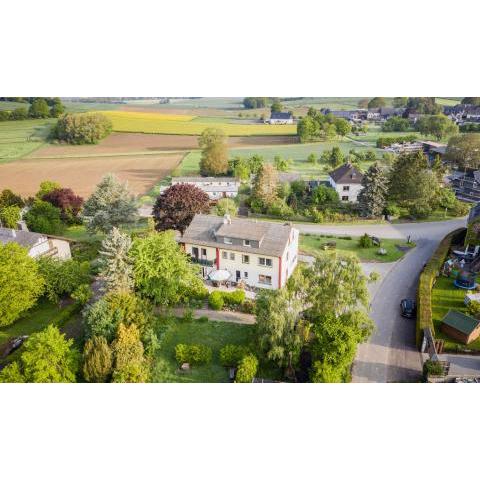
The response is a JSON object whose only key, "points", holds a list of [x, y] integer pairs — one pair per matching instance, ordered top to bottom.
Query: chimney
{"points": [[227, 220]]}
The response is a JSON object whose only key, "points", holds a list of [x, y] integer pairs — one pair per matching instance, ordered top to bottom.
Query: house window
{"points": [[346, 188], [345, 198], [227, 240], [246, 243], [204, 252], [224, 255], [232, 256], [245, 259], [264, 262], [245, 274], [265, 279]]}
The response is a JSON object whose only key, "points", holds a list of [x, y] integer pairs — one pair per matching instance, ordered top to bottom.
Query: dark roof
{"points": [[281, 115], [346, 173], [203, 230], [22, 237], [461, 322]]}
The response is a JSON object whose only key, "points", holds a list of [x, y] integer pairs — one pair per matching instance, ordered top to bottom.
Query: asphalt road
{"points": [[391, 354]]}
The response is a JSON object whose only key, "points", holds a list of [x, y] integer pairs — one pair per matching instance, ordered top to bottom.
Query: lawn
{"points": [[145, 122], [18, 138], [311, 245], [446, 296], [213, 334]]}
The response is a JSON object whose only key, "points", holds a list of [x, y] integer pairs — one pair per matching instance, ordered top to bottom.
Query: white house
{"points": [[280, 118], [347, 181], [215, 187], [37, 244], [260, 254]]}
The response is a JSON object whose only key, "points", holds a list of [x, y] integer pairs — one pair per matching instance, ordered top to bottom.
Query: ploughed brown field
{"points": [[118, 143], [82, 174]]}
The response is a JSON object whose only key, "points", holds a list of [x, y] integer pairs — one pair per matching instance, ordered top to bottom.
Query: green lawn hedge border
{"points": [[426, 281]]}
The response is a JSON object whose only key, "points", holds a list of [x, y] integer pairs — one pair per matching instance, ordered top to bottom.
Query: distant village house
{"points": [[280, 118], [215, 187]]}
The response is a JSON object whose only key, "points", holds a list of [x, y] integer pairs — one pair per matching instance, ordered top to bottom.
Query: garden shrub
{"points": [[365, 241], [233, 298], [215, 300], [248, 306], [473, 309], [194, 354], [231, 355], [430, 367], [247, 369]]}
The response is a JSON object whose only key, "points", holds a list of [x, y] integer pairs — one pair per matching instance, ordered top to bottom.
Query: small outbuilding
{"points": [[460, 327]]}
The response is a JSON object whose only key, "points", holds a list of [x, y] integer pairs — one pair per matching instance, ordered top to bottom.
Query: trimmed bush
{"points": [[365, 241], [425, 285], [234, 298], [215, 300], [194, 354], [231, 355], [431, 367], [247, 369]]}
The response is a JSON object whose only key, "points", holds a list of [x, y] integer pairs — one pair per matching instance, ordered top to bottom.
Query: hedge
{"points": [[425, 285], [217, 299], [231, 355]]}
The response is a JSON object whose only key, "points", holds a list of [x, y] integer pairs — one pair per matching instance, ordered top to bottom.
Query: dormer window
{"points": [[227, 240], [246, 243]]}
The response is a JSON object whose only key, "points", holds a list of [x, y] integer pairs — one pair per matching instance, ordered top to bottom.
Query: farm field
{"points": [[142, 122], [21, 137], [137, 143], [82, 174]]}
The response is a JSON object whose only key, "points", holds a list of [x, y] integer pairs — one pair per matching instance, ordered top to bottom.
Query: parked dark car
{"points": [[408, 308], [12, 345]]}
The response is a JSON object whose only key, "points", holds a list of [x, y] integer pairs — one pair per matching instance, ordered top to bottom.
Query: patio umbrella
{"points": [[219, 275]]}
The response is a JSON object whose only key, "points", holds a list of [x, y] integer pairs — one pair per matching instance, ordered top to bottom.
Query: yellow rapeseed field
{"points": [[142, 122]]}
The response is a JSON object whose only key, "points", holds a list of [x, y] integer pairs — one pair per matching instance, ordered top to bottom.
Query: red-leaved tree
{"points": [[69, 204], [177, 205]]}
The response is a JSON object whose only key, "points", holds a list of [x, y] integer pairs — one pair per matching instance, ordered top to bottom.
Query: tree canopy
{"points": [[437, 125], [82, 128], [213, 143], [463, 151], [373, 197], [110, 205], [177, 205], [43, 217], [162, 271], [20, 282], [47, 357]]}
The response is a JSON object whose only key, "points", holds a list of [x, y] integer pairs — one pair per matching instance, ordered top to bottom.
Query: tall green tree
{"points": [[377, 102], [39, 109], [342, 126], [439, 126], [82, 128], [213, 143], [463, 151], [413, 185], [46, 187], [264, 189], [373, 197], [8, 199], [110, 205], [9, 216], [43, 217], [116, 264], [162, 270], [20, 282], [279, 325], [47, 358], [97, 360], [130, 365]]}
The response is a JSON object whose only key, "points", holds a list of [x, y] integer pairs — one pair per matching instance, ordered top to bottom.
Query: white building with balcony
{"points": [[259, 254]]}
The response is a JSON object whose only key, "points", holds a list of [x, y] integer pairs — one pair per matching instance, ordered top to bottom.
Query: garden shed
{"points": [[460, 327]]}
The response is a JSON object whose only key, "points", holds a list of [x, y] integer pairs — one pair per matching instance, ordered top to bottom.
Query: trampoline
{"points": [[465, 280]]}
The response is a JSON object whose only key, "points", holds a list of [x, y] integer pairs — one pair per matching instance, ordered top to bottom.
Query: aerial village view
{"points": [[242, 240]]}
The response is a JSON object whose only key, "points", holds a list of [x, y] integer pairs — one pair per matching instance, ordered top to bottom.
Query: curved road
{"points": [[391, 354]]}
